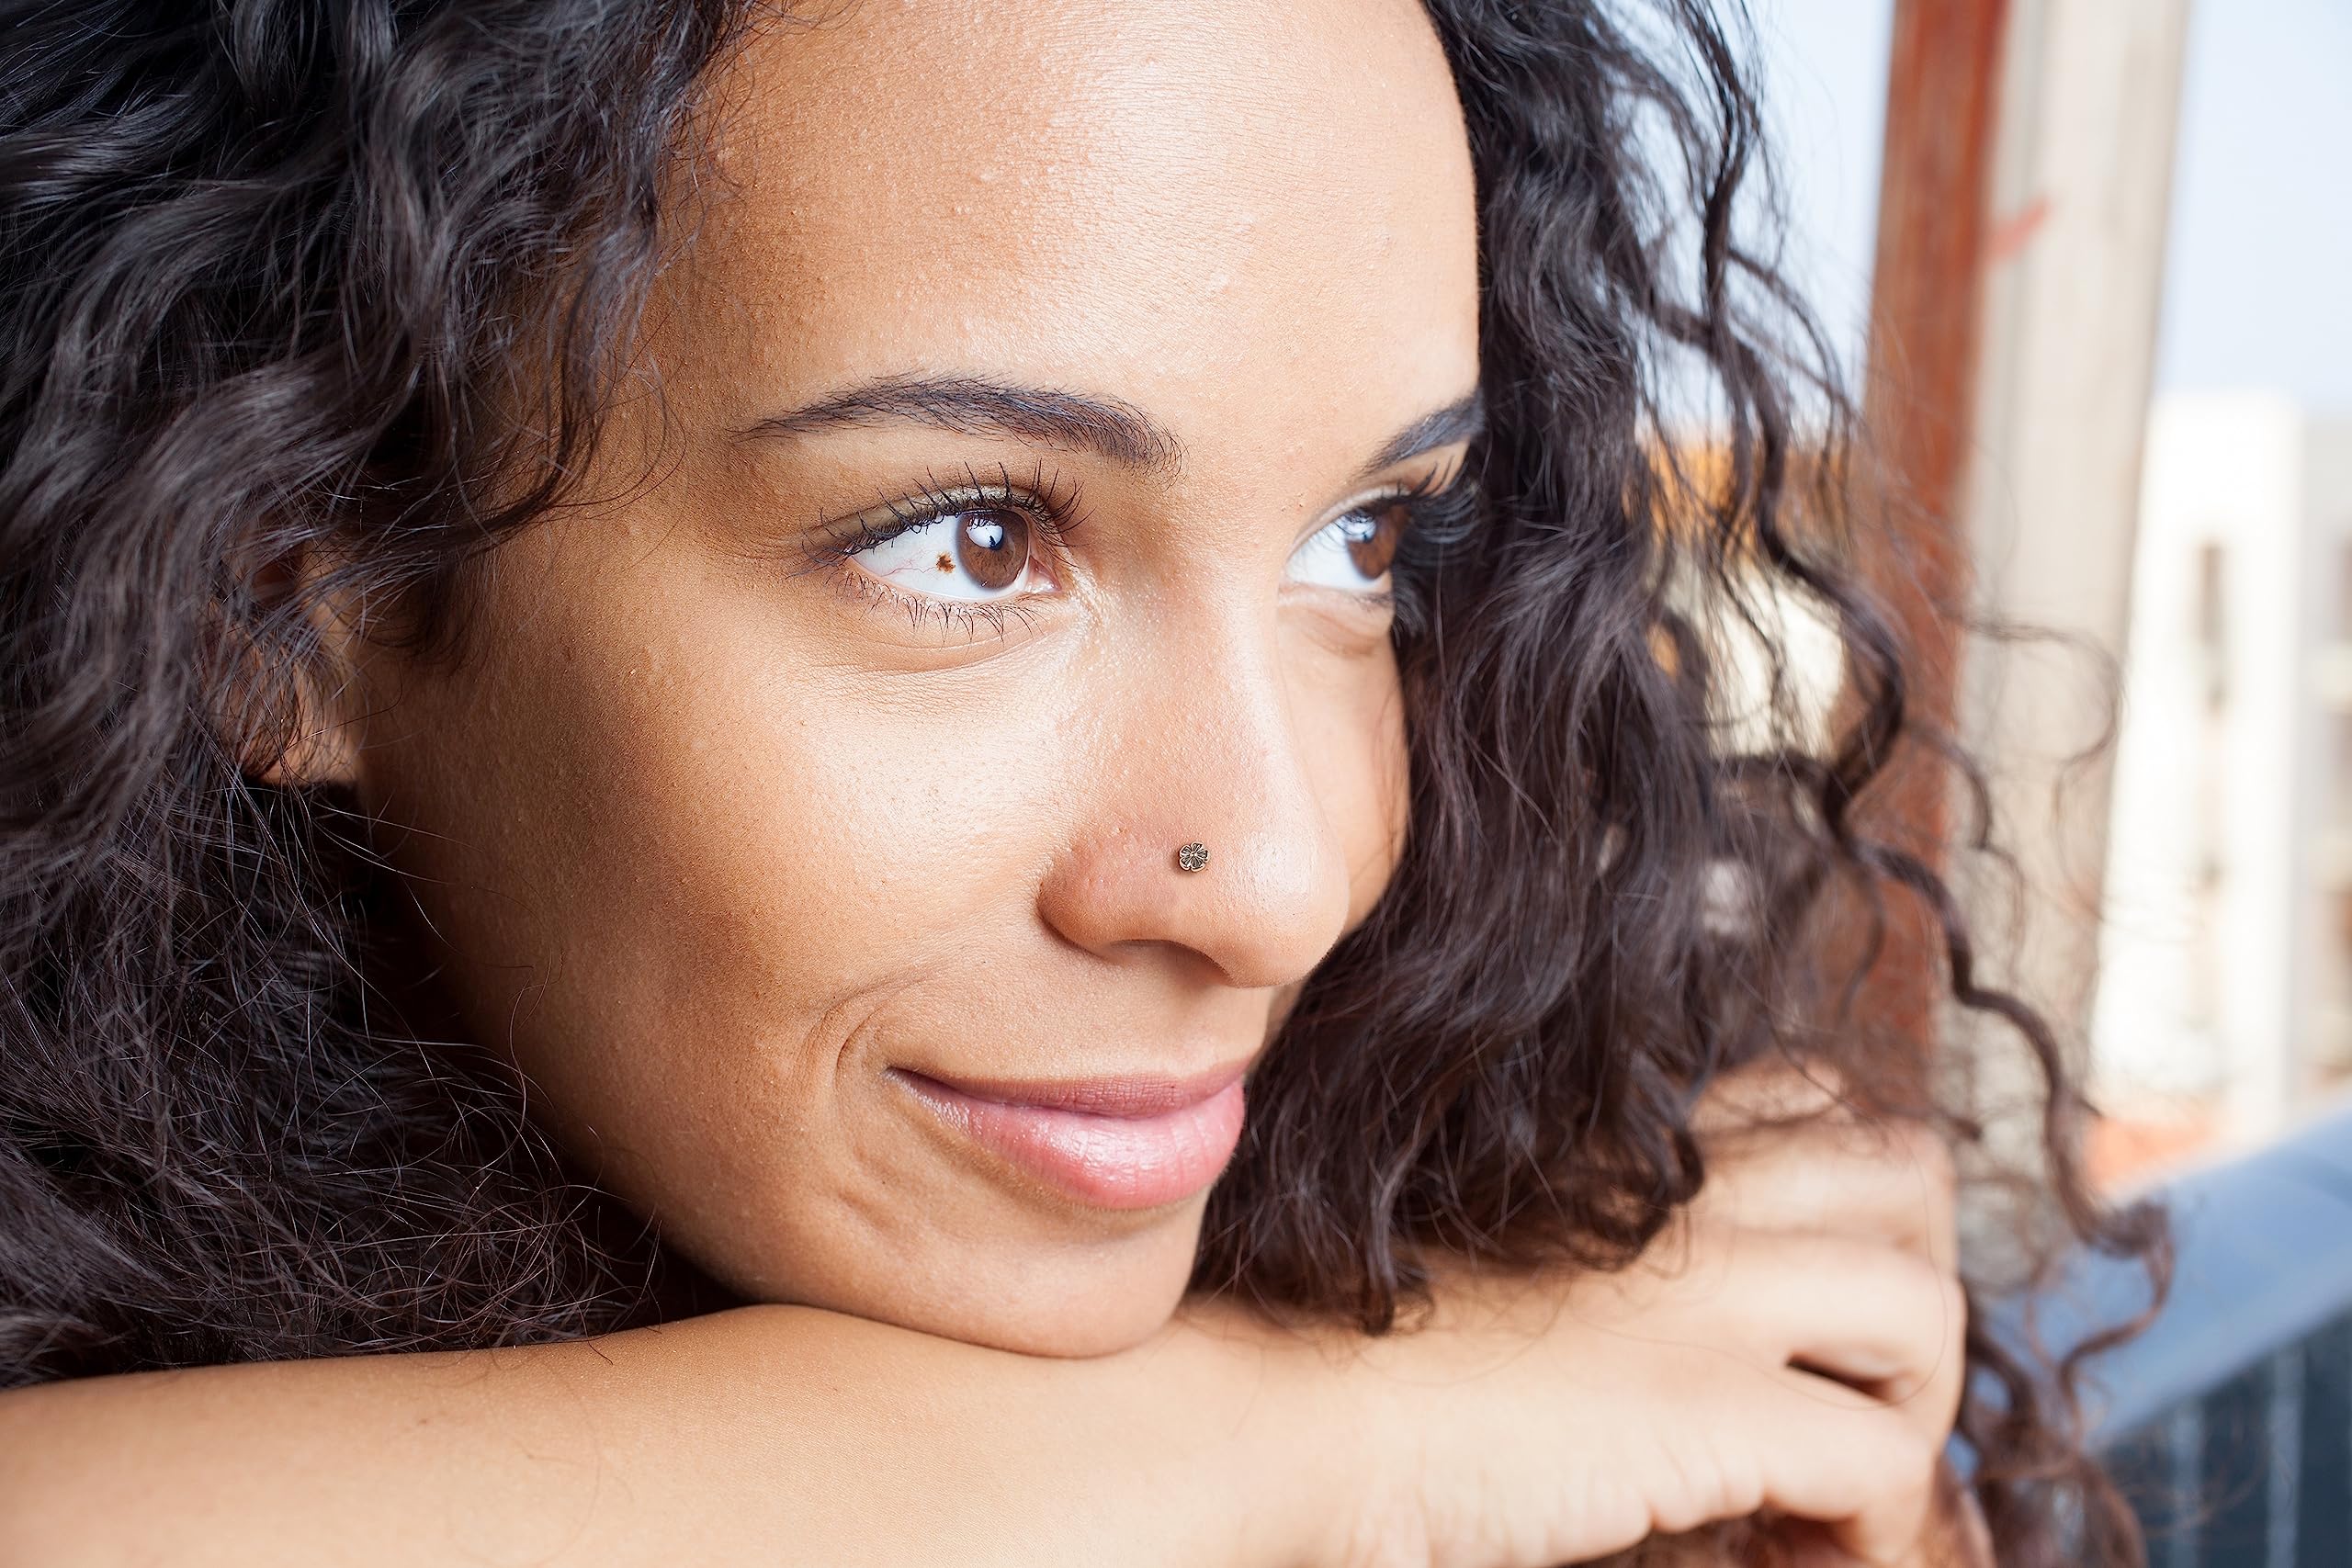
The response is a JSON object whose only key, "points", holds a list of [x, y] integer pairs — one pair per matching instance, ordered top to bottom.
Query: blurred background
{"points": [[2211, 219], [2090, 260]]}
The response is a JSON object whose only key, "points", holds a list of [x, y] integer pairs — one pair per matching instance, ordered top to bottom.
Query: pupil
{"points": [[994, 547]]}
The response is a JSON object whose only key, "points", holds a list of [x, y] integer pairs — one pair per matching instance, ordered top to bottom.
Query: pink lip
{"points": [[1130, 1142]]}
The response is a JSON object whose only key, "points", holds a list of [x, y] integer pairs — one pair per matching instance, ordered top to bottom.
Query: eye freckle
{"points": [[952, 552]]}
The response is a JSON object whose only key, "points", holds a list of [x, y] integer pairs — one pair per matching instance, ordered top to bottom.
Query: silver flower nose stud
{"points": [[1191, 857]]}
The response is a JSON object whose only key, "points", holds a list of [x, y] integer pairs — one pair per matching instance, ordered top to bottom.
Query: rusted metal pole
{"points": [[1927, 304]]}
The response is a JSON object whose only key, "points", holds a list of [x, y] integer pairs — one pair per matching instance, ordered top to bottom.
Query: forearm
{"points": [[775, 1435]]}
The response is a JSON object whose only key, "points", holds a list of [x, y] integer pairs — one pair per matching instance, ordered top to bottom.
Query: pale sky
{"points": [[2259, 263]]}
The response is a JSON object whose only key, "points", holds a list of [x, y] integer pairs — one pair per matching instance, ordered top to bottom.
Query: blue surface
{"points": [[2265, 1259]]}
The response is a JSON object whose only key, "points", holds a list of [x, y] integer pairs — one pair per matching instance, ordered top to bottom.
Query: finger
{"points": [[1768, 1093], [1892, 1180], [1875, 1318], [1853, 1467], [1893, 1532], [1965, 1534], [1953, 1536], [1808, 1545], [1814, 1550]]}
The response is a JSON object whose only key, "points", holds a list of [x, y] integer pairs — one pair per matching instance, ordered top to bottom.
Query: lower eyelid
{"points": [[877, 595], [880, 597]]}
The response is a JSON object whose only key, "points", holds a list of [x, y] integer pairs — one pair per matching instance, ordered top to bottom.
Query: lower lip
{"points": [[1103, 1161]]}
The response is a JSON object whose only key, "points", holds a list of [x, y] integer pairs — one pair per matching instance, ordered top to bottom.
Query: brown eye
{"points": [[1371, 535], [992, 546], [976, 551], [1352, 552]]}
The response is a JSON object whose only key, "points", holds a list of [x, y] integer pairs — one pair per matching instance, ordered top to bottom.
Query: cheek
{"points": [[1351, 738], [675, 856]]}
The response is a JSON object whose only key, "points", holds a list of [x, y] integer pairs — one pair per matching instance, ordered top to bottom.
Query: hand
{"points": [[1791, 1346]]}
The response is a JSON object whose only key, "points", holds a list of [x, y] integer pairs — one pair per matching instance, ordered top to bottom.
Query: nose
{"points": [[1203, 749]]}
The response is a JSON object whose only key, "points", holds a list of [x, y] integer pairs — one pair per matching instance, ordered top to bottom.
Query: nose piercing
{"points": [[1191, 857]]}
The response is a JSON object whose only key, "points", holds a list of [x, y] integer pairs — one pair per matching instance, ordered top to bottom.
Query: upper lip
{"points": [[1134, 1095]]}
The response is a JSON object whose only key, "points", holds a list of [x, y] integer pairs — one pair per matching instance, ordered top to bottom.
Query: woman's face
{"points": [[821, 870]]}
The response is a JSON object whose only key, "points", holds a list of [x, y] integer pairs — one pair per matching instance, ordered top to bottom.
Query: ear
{"points": [[286, 705], [322, 748]]}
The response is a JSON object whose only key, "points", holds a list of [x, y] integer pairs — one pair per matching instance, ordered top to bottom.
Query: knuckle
{"points": [[1809, 1086], [1775, 1091], [1919, 1148], [1914, 1153], [1933, 1156], [1938, 1292], [1929, 1302], [1956, 1314], [1909, 1457]]}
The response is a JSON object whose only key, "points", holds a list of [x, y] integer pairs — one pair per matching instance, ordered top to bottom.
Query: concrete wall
{"points": [[2223, 974]]}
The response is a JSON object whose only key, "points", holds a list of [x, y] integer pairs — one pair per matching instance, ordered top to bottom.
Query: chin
{"points": [[1018, 1285], [1077, 1300], [1102, 1330]]}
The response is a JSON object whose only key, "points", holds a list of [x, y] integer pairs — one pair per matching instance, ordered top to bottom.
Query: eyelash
{"points": [[1052, 507], [1437, 509]]}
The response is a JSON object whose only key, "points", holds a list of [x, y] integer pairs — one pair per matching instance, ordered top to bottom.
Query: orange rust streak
{"points": [[2012, 234]]}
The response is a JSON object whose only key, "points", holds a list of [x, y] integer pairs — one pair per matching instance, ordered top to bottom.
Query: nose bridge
{"points": [[1204, 750]]}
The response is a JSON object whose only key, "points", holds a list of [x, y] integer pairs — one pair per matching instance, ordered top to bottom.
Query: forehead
{"points": [[1154, 198]]}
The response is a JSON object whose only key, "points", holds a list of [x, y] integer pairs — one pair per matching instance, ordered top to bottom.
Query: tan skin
{"points": [[832, 839], [720, 842]]}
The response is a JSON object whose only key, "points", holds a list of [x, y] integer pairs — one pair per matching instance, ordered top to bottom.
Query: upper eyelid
{"points": [[1439, 479], [1432, 486], [1051, 505], [1054, 514]]}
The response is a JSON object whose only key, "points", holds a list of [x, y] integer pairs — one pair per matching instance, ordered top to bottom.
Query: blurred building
{"points": [[2224, 1002]]}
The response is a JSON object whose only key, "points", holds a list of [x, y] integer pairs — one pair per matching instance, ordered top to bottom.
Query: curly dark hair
{"points": [[355, 281]]}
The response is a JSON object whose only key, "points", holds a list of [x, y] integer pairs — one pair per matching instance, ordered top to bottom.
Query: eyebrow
{"points": [[973, 405], [1464, 419]]}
